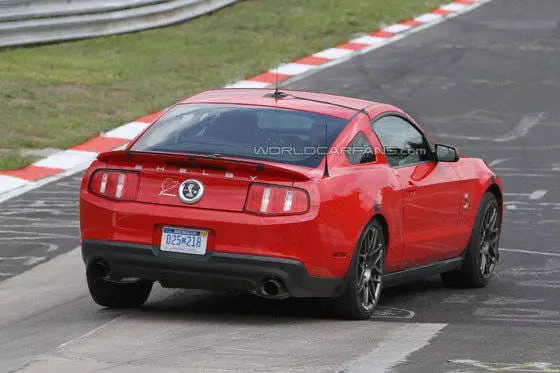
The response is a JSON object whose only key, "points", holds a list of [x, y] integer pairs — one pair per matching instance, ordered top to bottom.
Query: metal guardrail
{"points": [[38, 21]]}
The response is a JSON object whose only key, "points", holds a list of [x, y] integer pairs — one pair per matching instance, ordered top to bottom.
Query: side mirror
{"points": [[446, 153]]}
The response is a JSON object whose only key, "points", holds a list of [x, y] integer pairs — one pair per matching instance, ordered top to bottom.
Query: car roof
{"points": [[320, 103]]}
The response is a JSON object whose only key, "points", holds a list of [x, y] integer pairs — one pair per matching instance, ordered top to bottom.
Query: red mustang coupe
{"points": [[286, 193]]}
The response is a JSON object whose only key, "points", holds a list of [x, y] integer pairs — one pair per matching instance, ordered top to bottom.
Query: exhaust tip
{"points": [[99, 269], [273, 288]]}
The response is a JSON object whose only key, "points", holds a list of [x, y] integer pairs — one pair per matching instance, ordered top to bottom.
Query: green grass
{"points": [[59, 95], [13, 162]]}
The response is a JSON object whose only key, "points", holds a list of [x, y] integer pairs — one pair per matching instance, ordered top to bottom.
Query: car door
{"points": [[431, 192]]}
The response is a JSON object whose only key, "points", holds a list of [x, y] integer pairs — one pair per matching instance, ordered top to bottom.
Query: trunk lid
{"points": [[225, 181]]}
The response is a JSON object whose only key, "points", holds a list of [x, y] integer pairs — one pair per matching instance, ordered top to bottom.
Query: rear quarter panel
{"points": [[349, 200]]}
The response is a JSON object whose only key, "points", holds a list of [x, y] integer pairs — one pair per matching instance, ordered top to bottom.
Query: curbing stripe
{"points": [[453, 7], [428, 17], [411, 22], [396, 28], [383, 34], [369, 40], [353, 46], [333, 53], [315, 61], [292, 69], [269, 77], [248, 84], [128, 131], [100, 144], [78, 157], [66, 160], [33, 172], [8, 183]]}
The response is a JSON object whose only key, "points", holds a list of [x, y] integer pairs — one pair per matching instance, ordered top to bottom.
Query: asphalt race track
{"points": [[486, 81]]}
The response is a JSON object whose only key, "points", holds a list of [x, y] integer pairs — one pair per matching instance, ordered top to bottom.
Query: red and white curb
{"points": [[80, 156], [74, 159]]}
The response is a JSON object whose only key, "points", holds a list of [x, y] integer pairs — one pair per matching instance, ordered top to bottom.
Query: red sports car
{"points": [[286, 193]]}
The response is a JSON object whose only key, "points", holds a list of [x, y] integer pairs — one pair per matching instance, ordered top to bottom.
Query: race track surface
{"points": [[486, 81]]}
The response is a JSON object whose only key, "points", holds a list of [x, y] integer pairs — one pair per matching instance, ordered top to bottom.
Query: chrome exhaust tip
{"points": [[273, 288]]}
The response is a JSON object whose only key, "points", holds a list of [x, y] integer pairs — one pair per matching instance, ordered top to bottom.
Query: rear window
{"points": [[269, 134]]}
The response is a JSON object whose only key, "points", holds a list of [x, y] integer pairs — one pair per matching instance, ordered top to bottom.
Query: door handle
{"points": [[411, 187]]}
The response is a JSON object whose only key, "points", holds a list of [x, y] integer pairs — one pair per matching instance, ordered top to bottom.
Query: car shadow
{"points": [[247, 308]]}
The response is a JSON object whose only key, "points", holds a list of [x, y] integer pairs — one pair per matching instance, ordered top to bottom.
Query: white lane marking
{"points": [[292, 69], [523, 127], [127, 131], [496, 162], [552, 169], [509, 174], [537, 194], [514, 207], [548, 222], [530, 252], [28, 260], [555, 284], [460, 299], [503, 301], [392, 313], [529, 314], [91, 332], [395, 348], [508, 367]]}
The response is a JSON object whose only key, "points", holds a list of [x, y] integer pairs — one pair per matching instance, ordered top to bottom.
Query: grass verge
{"points": [[62, 94]]}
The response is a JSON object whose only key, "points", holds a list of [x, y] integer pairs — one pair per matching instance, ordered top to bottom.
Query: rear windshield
{"points": [[270, 134]]}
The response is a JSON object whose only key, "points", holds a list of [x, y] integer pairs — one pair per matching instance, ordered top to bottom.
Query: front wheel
{"points": [[483, 250], [366, 275]]}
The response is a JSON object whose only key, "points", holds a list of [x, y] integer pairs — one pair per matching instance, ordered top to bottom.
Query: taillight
{"points": [[117, 185], [266, 199]]}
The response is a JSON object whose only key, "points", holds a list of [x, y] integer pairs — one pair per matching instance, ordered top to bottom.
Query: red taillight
{"points": [[117, 185], [266, 199]]}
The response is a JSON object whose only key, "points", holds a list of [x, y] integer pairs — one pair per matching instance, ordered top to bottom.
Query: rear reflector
{"points": [[116, 185], [264, 199]]}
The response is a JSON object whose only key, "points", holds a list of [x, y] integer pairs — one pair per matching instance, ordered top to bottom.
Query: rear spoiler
{"points": [[209, 162]]}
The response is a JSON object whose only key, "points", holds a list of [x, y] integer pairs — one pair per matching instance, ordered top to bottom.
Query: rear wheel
{"points": [[483, 249], [366, 275], [118, 295]]}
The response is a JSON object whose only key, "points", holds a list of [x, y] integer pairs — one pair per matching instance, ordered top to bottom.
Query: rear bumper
{"points": [[214, 270]]}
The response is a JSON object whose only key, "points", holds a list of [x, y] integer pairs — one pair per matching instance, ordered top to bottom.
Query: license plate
{"points": [[186, 241]]}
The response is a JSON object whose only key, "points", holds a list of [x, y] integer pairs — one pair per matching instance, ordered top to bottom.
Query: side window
{"points": [[402, 142], [360, 150]]}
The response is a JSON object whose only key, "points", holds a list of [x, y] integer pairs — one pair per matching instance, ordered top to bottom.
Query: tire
{"points": [[482, 252], [363, 291], [118, 295]]}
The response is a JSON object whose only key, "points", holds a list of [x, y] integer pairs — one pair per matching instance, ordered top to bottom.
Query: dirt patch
{"points": [[64, 88]]}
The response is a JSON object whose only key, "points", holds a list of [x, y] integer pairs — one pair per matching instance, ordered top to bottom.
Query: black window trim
{"points": [[406, 119], [375, 158]]}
